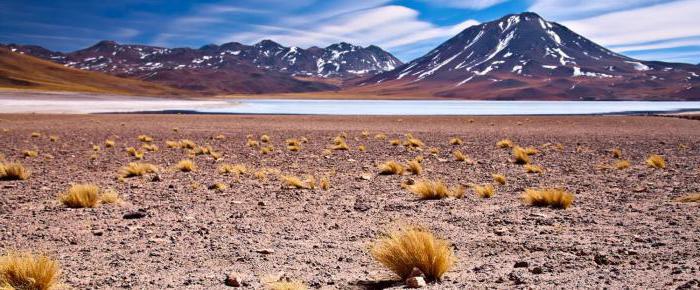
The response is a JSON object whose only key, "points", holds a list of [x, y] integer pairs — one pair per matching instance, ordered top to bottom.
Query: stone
{"points": [[134, 215], [265, 251], [521, 264], [537, 270], [416, 273], [232, 280], [415, 282]]}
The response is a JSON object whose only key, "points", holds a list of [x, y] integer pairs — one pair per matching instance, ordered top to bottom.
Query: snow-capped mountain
{"points": [[523, 56], [196, 69]]}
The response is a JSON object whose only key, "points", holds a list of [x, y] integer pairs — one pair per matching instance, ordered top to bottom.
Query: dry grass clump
{"points": [[36, 134], [380, 136], [219, 137], [53, 138], [145, 138], [265, 138], [456, 141], [395, 142], [413, 142], [110, 143], [252, 143], [505, 143], [172, 144], [187, 144], [342, 145], [150, 147], [96, 148], [294, 148], [361, 148], [266, 149], [434, 150], [531, 150], [30, 153], [617, 153], [138, 154], [520, 155], [459, 156], [656, 161], [622, 164], [186, 165], [391, 167], [414, 167], [529, 168], [137, 169], [236, 169], [13, 171], [499, 178], [295, 182], [324, 183], [219, 186], [430, 189], [485, 191], [87, 195], [548, 197], [695, 197], [403, 250], [27, 271], [287, 285]]}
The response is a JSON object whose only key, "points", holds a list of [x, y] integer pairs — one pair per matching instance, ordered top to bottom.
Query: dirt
{"points": [[623, 230]]}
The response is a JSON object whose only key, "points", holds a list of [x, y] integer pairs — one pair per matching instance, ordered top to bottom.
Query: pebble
{"points": [[134, 215], [265, 251], [521, 264], [232, 280], [415, 282]]}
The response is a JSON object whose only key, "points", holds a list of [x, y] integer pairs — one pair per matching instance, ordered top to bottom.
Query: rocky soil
{"points": [[623, 230]]}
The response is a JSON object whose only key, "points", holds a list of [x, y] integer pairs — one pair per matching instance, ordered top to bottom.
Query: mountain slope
{"points": [[523, 56], [266, 67], [19, 71]]}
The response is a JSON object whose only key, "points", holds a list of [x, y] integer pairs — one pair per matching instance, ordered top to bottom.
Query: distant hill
{"points": [[524, 56], [19, 71]]}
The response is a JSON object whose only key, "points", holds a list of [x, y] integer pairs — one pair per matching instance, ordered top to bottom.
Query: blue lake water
{"points": [[440, 107]]}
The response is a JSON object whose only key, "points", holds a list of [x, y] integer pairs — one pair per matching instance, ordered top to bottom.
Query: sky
{"points": [[646, 29]]}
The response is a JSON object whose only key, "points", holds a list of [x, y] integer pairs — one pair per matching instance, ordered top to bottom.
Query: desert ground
{"points": [[624, 229]]}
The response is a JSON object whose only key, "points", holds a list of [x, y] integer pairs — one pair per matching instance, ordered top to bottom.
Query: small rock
{"points": [[366, 176], [156, 178], [261, 203], [134, 215], [98, 233], [265, 251], [601, 259], [521, 264], [537, 270], [416, 273], [516, 278], [232, 280], [415, 282]]}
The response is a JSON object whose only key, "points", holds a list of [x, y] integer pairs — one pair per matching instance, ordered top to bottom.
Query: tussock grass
{"points": [[36, 134], [365, 134], [380, 136], [219, 137], [53, 138], [145, 138], [265, 138], [456, 141], [293, 142], [395, 142], [413, 142], [110, 143], [252, 143], [505, 143], [172, 144], [187, 144], [341, 146], [150, 147], [96, 148], [294, 148], [361, 148], [266, 149], [434, 150], [531, 150], [30, 153], [617, 153], [520, 155], [459, 156], [656, 161], [622, 164], [186, 165], [391, 167], [414, 167], [529, 168], [134, 169], [236, 169], [13, 171], [260, 175], [499, 178], [295, 182], [324, 183], [220, 187], [430, 189], [458, 191], [485, 191], [81, 195], [110, 196], [548, 197], [695, 197], [403, 250], [28, 271], [287, 285]]}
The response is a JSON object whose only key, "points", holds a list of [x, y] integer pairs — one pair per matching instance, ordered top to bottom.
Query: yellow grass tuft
{"points": [[176, 129], [36, 134], [365, 134], [380, 136], [219, 137], [53, 138], [145, 138], [265, 138], [456, 141], [395, 142], [412, 142], [110, 143], [252, 143], [505, 143], [172, 144], [187, 144], [341, 146], [150, 147], [96, 148], [294, 148], [361, 148], [266, 149], [434, 150], [531, 151], [30, 153], [617, 153], [520, 155], [459, 156], [656, 161], [622, 164], [186, 165], [391, 167], [414, 167], [529, 168], [137, 169], [236, 169], [13, 171], [499, 178], [293, 182], [324, 183], [219, 186], [430, 189], [485, 191], [81, 195], [109, 196], [551, 197], [695, 197], [403, 250], [27, 271], [287, 285]]}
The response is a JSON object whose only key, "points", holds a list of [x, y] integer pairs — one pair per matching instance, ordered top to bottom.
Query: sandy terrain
{"points": [[623, 230]]}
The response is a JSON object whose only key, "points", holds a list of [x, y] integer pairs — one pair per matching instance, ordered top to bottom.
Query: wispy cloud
{"points": [[469, 4], [576, 9]]}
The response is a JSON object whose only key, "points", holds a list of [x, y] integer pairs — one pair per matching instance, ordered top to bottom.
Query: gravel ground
{"points": [[623, 230]]}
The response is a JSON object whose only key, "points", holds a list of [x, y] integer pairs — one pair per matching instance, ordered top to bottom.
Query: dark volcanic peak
{"points": [[530, 49]]}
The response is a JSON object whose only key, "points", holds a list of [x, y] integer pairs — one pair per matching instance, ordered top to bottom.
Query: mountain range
{"points": [[519, 56]]}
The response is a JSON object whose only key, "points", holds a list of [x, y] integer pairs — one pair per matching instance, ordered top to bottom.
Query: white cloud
{"points": [[469, 4], [560, 10], [658, 45]]}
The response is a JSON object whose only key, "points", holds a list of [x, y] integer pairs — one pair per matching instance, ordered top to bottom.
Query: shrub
{"points": [[380, 136], [145, 138], [265, 138], [456, 141], [395, 142], [412, 142], [110, 143], [252, 143], [505, 143], [172, 144], [187, 144], [342, 145], [150, 147], [266, 149], [531, 151], [30, 153], [617, 153], [520, 155], [459, 156], [656, 161], [622, 164], [186, 165], [391, 167], [414, 167], [529, 168], [137, 169], [13, 171], [499, 178], [292, 182], [325, 183], [220, 187], [430, 189], [485, 191], [81, 195], [551, 197], [403, 250], [28, 271]]}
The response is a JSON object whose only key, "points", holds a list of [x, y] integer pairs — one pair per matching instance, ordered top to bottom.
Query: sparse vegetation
{"points": [[36, 134], [380, 136], [53, 138], [145, 138], [265, 138], [456, 141], [395, 142], [413, 142], [110, 143], [505, 143], [342, 145], [150, 147], [361, 148], [266, 149], [531, 150], [30, 153], [617, 153], [520, 155], [459, 156], [656, 161], [622, 164], [186, 165], [391, 167], [414, 167], [529, 168], [137, 169], [236, 169], [13, 171], [499, 178], [295, 182], [324, 183], [219, 186], [430, 189], [485, 191], [81, 195], [548, 197], [695, 197], [402, 251], [28, 271], [287, 285]]}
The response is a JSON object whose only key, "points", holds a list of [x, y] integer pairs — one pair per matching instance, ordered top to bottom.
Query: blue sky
{"points": [[646, 29]]}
